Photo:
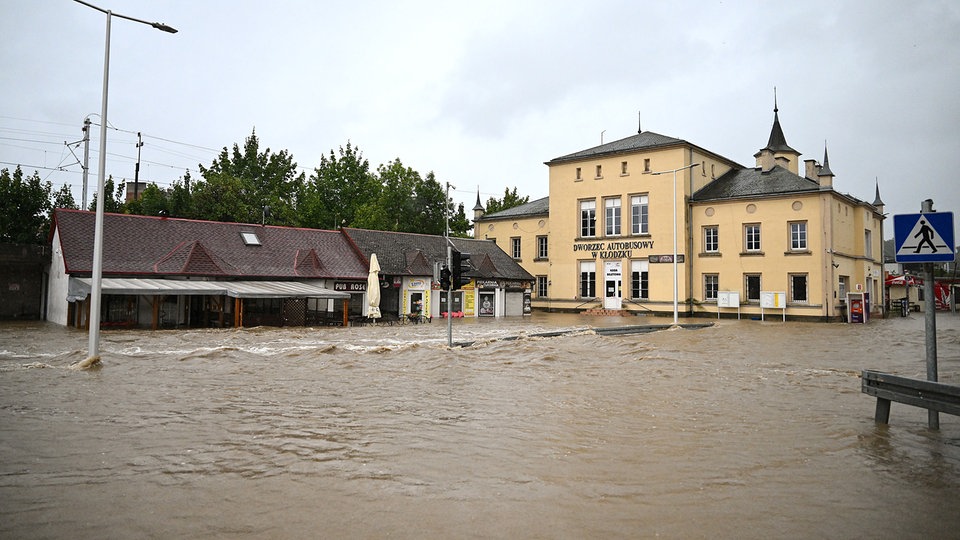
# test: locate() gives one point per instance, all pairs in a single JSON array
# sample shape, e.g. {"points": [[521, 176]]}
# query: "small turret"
{"points": [[825, 175]]}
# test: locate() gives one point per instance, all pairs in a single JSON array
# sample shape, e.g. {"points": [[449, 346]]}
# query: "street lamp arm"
{"points": [[157, 25], [667, 172]]}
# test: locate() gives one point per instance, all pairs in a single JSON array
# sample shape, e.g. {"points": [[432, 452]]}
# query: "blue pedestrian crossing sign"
{"points": [[922, 238]]}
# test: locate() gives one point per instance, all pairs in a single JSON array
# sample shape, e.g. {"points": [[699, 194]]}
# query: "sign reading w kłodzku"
{"points": [[613, 250]]}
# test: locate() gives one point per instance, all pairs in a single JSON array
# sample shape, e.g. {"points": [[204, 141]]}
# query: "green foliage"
{"points": [[24, 208], [113, 196], [459, 224], [239, 184], [510, 200], [63, 198], [337, 189], [153, 202], [180, 199]]}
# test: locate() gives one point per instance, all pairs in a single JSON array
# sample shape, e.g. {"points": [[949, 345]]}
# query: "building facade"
{"points": [[648, 222], [171, 273]]}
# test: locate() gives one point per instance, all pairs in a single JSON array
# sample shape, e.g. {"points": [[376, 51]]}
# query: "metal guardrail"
{"points": [[930, 395]]}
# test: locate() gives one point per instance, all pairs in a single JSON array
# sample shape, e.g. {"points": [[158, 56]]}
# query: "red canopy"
{"points": [[903, 280]]}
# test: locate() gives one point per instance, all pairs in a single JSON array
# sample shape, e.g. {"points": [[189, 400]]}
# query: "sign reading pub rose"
{"points": [[348, 286], [613, 250]]}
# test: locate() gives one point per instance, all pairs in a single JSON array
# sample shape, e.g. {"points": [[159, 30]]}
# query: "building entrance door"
{"points": [[613, 276]]}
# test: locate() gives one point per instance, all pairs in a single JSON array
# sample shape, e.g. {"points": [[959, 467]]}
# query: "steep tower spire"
{"points": [[825, 169], [478, 206], [777, 152], [877, 201], [777, 142]]}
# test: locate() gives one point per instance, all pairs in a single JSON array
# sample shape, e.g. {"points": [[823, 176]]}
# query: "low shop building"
{"points": [[500, 287], [169, 273]]}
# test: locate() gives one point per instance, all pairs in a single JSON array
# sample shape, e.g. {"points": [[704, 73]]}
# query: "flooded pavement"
{"points": [[744, 429]]}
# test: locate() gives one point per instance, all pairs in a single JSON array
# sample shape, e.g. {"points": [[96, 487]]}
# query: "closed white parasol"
{"points": [[373, 288]]}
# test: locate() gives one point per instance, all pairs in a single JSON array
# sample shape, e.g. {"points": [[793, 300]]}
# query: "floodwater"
{"points": [[745, 429]]}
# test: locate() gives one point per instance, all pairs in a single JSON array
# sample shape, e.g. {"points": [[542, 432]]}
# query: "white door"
{"points": [[612, 278]]}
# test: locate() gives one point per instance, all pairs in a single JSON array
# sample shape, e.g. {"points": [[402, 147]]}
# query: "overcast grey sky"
{"points": [[484, 93]]}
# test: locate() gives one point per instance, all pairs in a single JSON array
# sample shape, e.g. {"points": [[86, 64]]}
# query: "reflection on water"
{"points": [[743, 429]]}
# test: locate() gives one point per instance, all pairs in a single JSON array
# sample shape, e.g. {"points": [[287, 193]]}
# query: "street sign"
{"points": [[923, 238]]}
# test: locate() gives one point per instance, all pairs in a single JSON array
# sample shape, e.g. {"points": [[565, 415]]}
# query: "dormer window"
{"points": [[250, 238]]}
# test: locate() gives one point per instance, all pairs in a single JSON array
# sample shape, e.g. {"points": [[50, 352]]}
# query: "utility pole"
{"points": [[86, 159], [446, 236], [136, 171]]}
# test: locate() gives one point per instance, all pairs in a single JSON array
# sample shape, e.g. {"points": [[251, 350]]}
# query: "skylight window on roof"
{"points": [[250, 238]]}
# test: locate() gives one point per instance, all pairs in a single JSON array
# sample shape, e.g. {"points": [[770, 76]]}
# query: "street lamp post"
{"points": [[675, 275], [93, 355]]}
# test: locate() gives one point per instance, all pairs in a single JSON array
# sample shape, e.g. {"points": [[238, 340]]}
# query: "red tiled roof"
{"points": [[144, 245]]}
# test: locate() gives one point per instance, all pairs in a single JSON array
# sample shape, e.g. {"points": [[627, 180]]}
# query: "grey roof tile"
{"points": [[539, 207], [739, 183], [144, 245]]}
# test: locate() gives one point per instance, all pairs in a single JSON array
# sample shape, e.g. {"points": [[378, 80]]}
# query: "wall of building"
{"points": [[22, 280], [528, 230], [775, 263]]}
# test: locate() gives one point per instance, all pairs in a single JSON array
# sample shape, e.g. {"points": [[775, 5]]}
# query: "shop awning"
{"points": [[79, 288]]}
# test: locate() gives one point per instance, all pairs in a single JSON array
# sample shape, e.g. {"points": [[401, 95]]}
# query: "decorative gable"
{"points": [[191, 258], [417, 264], [308, 263]]}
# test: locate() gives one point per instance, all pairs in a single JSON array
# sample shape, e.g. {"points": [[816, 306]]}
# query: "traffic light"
{"points": [[444, 278], [460, 264]]}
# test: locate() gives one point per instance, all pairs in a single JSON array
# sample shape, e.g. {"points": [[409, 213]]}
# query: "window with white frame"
{"points": [[515, 247], [588, 279], [751, 237], [711, 239], [639, 280], [541, 286], [711, 284], [612, 216], [588, 218], [798, 236], [542, 247], [798, 288], [638, 214], [868, 243]]}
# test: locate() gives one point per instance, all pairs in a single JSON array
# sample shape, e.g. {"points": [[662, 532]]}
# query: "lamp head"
{"points": [[165, 28]]}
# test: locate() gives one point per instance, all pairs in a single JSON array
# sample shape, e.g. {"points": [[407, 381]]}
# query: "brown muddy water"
{"points": [[746, 429]]}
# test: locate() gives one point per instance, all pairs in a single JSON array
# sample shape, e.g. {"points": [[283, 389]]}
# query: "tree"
{"points": [[238, 186], [337, 189], [430, 200], [63, 198], [459, 224], [180, 199], [153, 201], [510, 200], [24, 208], [223, 197], [394, 209], [112, 195]]}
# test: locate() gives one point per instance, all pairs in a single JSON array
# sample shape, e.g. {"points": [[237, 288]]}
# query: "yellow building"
{"points": [[748, 240]]}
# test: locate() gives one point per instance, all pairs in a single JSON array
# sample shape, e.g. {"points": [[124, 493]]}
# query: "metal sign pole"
{"points": [[450, 298], [930, 324]]}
